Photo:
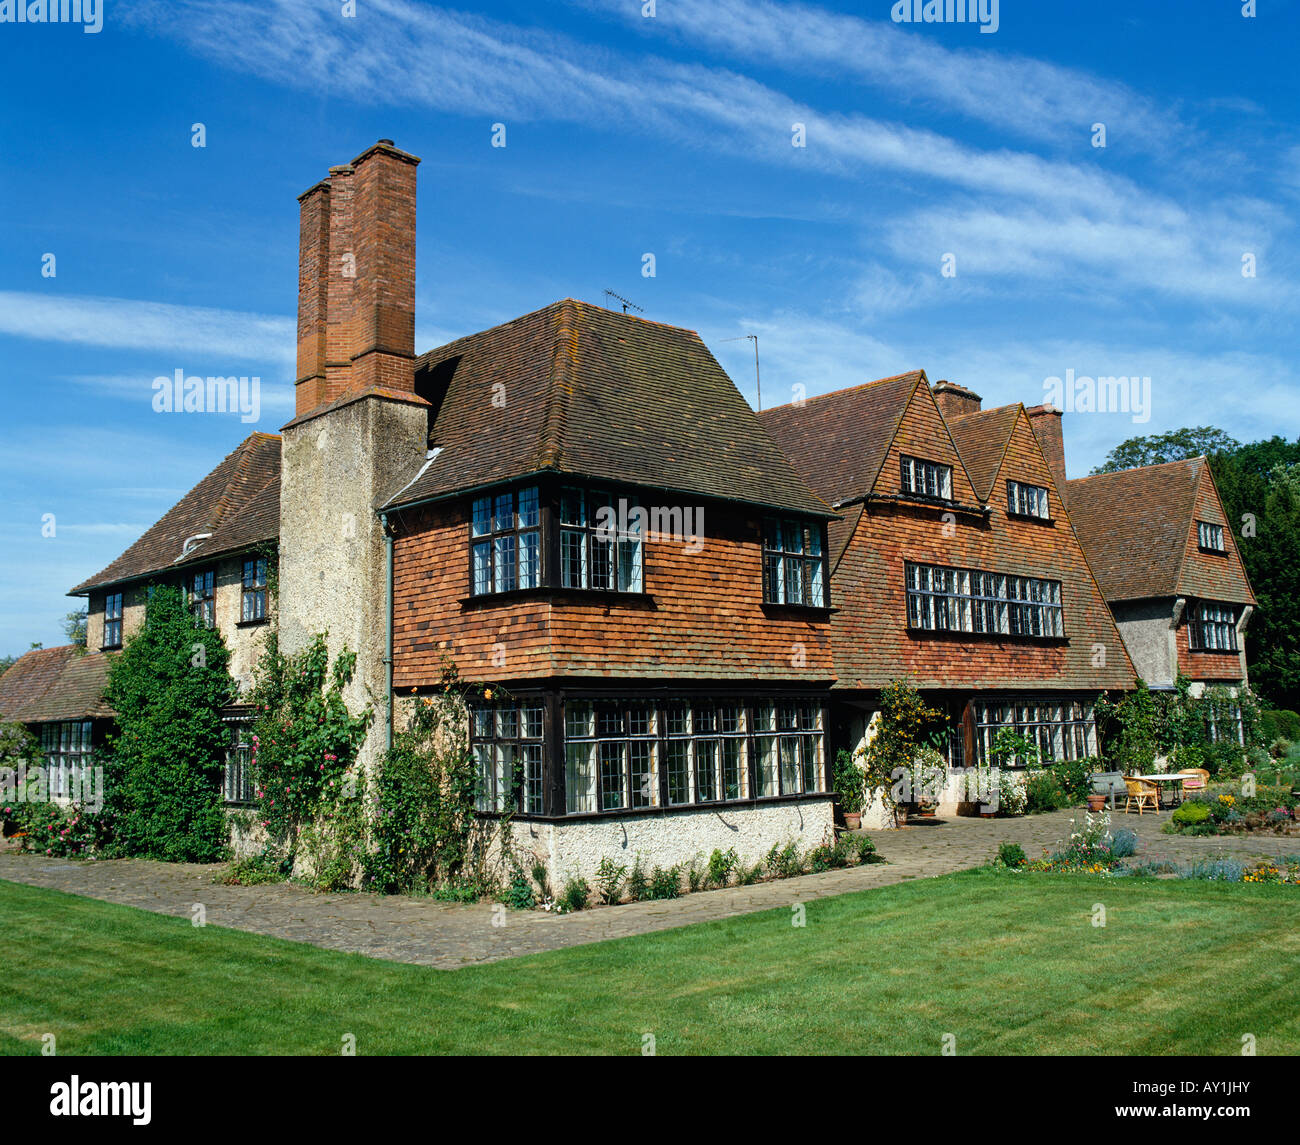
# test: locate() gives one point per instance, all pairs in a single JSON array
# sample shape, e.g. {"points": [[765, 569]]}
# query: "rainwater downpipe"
{"points": [[388, 631]]}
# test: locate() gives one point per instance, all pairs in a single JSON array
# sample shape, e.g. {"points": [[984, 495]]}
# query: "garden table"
{"points": [[1163, 780]]}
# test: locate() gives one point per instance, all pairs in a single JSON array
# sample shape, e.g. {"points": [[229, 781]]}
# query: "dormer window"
{"points": [[1213, 627], [1209, 537], [600, 541], [1027, 500], [926, 478]]}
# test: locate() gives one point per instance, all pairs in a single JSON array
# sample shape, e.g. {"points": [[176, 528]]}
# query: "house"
{"points": [[1167, 560], [683, 607], [954, 563]]}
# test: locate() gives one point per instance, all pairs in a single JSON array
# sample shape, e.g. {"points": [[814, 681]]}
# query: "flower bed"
{"points": [[1227, 809]]}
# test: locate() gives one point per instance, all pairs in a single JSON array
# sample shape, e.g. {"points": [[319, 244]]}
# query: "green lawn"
{"points": [[1009, 964]]}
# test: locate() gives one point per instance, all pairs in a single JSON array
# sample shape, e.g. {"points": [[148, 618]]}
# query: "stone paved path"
{"points": [[450, 935]]}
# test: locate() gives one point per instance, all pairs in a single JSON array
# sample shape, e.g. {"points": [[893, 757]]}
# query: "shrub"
{"points": [[518, 894], [695, 875], [1280, 723], [609, 881], [1219, 870], [459, 890], [575, 894], [721, 865], [784, 862], [1191, 813], [748, 876], [1123, 842], [865, 849], [1075, 778], [823, 857], [254, 870], [665, 884], [539, 877], [1044, 792], [850, 783], [1011, 855], [163, 779], [637, 883]]}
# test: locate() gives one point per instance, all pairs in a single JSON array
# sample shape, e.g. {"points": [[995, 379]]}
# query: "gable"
{"points": [[922, 433], [1212, 576], [981, 439]]}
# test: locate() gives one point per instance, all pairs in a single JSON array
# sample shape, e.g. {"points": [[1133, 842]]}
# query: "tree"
{"points": [[1260, 487], [164, 770], [1176, 445], [74, 627]]}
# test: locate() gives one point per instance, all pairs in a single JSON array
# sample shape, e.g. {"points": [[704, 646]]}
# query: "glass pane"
{"points": [[503, 512], [530, 560], [528, 508], [504, 561], [482, 517], [573, 509], [482, 567]]}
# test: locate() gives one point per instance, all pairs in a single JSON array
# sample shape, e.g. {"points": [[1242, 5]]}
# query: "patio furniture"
{"points": [[1108, 783], [1142, 792], [1173, 781], [1197, 778]]}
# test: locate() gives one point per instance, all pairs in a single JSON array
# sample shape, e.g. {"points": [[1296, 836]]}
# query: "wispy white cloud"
{"points": [[1038, 100], [133, 324], [1048, 212]]}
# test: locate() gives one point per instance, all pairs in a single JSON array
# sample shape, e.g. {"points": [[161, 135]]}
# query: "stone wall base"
{"points": [[666, 838]]}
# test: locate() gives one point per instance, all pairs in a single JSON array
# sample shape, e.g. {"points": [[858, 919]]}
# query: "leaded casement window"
{"points": [[1213, 627], [1223, 722], [1062, 728], [113, 620], [794, 563], [506, 541], [627, 755], [601, 544], [611, 755], [941, 599], [1209, 537], [237, 783], [200, 592], [253, 591], [1027, 500], [925, 478], [66, 747], [789, 748], [506, 740]]}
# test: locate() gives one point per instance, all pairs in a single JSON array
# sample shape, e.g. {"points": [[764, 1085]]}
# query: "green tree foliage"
{"points": [[1176, 445], [164, 767], [74, 627], [1260, 487]]}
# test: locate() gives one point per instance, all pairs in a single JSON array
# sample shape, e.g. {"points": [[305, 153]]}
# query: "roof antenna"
{"points": [[758, 381], [624, 301]]}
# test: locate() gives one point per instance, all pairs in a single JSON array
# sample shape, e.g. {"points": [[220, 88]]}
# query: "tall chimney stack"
{"points": [[954, 400], [1046, 423], [356, 279]]}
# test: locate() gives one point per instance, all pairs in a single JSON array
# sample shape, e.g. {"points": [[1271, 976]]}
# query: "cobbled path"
{"points": [[449, 936]]}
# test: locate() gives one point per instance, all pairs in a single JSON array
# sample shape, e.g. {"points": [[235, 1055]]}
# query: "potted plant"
{"points": [[850, 786]]}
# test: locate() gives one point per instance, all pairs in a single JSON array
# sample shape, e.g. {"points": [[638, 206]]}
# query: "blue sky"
{"points": [[628, 135]]}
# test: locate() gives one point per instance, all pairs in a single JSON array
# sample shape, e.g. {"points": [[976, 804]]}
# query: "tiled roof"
{"points": [[238, 503], [60, 683], [575, 388], [982, 439], [1136, 527], [839, 441]]}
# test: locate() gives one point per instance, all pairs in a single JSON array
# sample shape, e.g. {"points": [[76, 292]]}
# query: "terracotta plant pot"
{"points": [[852, 821], [1096, 802]]}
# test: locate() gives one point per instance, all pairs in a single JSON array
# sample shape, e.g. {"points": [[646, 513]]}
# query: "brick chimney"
{"points": [[356, 279], [1046, 423], [954, 400]]}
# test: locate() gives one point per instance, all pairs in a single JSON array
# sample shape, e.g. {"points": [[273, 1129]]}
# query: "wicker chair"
{"points": [[1142, 792], [1197, 778]]}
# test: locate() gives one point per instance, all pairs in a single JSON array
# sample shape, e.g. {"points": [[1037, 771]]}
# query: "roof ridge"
{"points": [[846, 390], [1138, 468]]}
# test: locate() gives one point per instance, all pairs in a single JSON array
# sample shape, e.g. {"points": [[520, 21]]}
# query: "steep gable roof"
{"points": [[62, 683], [839, 441], [1135, 526], [238, 503], [982, 439], [578, 389]]}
